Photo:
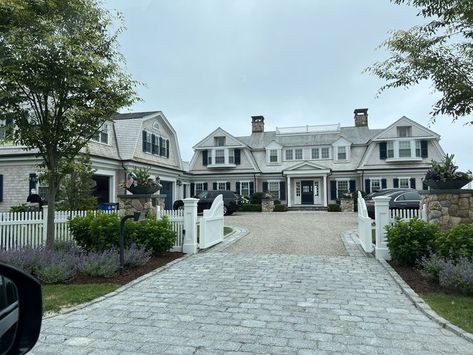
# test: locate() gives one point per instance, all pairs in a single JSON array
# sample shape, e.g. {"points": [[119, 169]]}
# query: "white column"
{"points": [[325, 191], [381, 214], [289, 190], [190, 229]]}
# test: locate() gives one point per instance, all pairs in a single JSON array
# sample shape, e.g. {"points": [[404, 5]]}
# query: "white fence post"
{"points": [[382, 217], [45, 224], [190, 228]]}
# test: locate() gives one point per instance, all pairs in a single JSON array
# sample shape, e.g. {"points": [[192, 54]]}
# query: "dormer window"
{"points": [[298, 154], [342, 153], [404, 131], [101, 136], [273, 155], [325, 152], [219, 141]]}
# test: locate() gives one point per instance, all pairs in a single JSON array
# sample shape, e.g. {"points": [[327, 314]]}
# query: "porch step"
{"points": [[308, 208]]}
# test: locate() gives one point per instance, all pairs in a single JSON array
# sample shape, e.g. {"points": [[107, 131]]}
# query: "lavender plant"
{"points": [[136, 256], [54, 267], [457, 275], [101, 264], [431, 266]]}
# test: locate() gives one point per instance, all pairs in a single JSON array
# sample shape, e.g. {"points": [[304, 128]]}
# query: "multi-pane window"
{"points": [[219, 156], [342, 187], [155, 144], [325, 153], [199, 187], [418, 149], [298, 154], [273, 155], [231, 156], [375, 185], [245, 188], [404, 149], [390, 149], [221, 185], [403, 131], [404, 183], [273, 188], [289, 154], [315, 153], [298, 188], [147, 147], [219, 141], [342, 153], [101, 136]]}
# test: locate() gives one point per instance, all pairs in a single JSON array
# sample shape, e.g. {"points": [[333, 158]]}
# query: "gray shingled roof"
{"points": [[356, 135], [132, 115]]}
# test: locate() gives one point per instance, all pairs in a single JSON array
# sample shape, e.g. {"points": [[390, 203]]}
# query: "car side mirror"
{"points": [[21, 310]]}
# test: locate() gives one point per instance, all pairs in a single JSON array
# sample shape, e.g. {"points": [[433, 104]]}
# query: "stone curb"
{"points": [[422, 306], [120, 289]]}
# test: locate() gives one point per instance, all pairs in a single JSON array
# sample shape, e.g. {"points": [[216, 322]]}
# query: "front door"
{"points": [[307, 192], [166, 189]]}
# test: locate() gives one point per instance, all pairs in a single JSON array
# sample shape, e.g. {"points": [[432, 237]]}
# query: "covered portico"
{"points": [[307, 185]]}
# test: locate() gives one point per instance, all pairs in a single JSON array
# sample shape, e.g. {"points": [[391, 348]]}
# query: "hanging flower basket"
{"points": [[443, 175], [143, 190], [447, 185]]}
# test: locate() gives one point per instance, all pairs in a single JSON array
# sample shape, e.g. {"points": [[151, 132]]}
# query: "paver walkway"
{"points": [[220, 302]]}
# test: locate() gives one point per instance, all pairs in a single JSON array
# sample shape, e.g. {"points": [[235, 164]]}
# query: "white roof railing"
{"points": [[330, 128]]}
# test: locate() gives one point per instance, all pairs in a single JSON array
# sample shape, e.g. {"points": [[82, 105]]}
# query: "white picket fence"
{"points": [[22, 229], [177, 221]]}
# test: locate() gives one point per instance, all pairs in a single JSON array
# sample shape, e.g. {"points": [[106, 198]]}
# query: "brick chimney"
{"points": [[257, 124], [361, 117]]}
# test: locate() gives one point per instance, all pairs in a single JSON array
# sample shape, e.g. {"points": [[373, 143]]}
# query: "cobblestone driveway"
{"points": [[220, 302]]}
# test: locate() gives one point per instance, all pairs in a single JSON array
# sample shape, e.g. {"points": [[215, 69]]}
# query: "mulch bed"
{"points": [[416, 281], [130, 274]]}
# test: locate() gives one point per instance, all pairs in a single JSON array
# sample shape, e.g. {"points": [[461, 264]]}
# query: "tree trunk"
{"points": [[52, 191]]}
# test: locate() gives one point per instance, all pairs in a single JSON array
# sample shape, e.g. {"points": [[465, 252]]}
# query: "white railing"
{"points": [[22, 229], [177, 221], [405, 214], [364, 226]]}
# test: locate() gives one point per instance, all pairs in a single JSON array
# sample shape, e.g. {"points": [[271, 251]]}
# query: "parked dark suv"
{"points": [[231, 201], [400, 199]]}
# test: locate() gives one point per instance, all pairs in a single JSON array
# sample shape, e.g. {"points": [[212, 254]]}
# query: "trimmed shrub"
{"points": [[458, 276], [334, 207], [280, 208], [457, 242], [250, 207], [409, 242], [154, 235], [256, 198], [276, 202], [102, 264]]}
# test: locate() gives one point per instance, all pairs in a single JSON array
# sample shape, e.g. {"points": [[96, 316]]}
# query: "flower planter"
{"points": [[143, 190], [447, 185]]}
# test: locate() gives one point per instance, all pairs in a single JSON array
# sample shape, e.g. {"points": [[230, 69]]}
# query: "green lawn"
{"points": [[227, 230], [57, 296], [456, 309]]}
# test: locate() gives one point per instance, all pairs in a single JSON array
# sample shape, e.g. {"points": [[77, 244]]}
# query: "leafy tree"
{"points": [[61, 78], [440, 50]]}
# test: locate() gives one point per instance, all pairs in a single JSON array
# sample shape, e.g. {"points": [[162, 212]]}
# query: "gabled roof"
{"points": [[306, 165], [406, 121], [208, 141], [132, 115]]}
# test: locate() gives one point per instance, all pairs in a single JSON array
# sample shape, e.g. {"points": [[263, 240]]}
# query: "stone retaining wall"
{"points": [[447, 208], [130, 204]]}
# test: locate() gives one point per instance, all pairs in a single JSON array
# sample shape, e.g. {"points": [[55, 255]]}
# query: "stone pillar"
{"points": [[447, 208], [267, 205], [190, 228], [347, 204], [129, 204], [381, 214]]}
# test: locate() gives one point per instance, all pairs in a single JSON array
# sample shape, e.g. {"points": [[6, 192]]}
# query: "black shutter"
{"points": [[424, 186], [167, 148], [333, 190], [153, 144], [192, 189], [395, 183], [383, 150], [162, 148], [352, 185], [237, 156], [367, 186], [383, 183], [252, 188], [32, 182], [282, 190], [1, 188], [205, 186], [413, 183], [229, 187], [144, 141], [237, 187], [424, 151], [205, 155], [265, 186], [214, 186]]}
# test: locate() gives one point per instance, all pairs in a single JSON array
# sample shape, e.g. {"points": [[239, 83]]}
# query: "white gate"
{"points": [[176, 218], [211, 225], [364, 226]]}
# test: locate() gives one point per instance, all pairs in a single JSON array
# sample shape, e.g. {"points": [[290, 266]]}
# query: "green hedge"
{"points": [[250, 207], [101, 232], [334, 207], [456, 242], [280, 208]]}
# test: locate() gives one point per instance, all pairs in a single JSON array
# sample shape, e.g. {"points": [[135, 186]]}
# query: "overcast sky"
{"points": [[215, 63]]}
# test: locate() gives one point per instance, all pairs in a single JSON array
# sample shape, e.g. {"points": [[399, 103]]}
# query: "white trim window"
{"points": [[273, 156], [315, 153], [404, 149], [289, 154], [342, 153], [245, 188], [219, 156], [273, 188], [342, 187], [375, 184], [231, 156], [219, 141], [390, 149], [325, 152], [418, 149], [199, 187], [298, 154], [404, 182], [101, 136], [221, 185], [403, 131]]}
